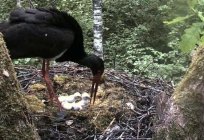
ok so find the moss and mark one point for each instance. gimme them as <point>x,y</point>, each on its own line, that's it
<point>60,80</point>
<point>102,119</point>
<point>174,132</point>
<point>37,87</point>
<point>15,121</point>
<point>194,75</point>
<point>35,105</point>
<point>188,108</point>
<point>189,96</point>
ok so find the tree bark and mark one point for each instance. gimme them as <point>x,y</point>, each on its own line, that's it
<point>98,28</point>
<point>18,3</point>
<point>15,122</point>
<point>183,116</point>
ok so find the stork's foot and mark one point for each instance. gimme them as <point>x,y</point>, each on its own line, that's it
<point>59,105</point>
<point>52,96</point>
<point>54,101</point>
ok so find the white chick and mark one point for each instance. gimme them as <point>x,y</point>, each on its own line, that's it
<point>84,103</point>
<point>70,98</point>
<point>85,96</point>
<point>62,98</point>
<point>77,96</point>
<point>85,99</point>
<point>77,106</point>
<point>67,105</point>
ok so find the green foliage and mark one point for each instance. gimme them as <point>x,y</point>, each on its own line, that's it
<point>6,6</point>
<point>136,40</point>
<point>27,61</point>
<point>191,37</point>
<point>178,19</point>
<point>193,34</point>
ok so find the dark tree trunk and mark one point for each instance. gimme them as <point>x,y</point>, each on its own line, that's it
<point>183,116</point>
<point>15,122</point>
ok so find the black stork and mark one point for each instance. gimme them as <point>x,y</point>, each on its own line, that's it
<point>49,34</point>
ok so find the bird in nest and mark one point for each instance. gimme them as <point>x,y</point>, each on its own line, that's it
<point>52,35</point>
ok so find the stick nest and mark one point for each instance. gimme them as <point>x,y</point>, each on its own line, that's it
<point>124,108</point>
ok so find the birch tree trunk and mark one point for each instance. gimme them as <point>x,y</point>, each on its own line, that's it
<point>98,28</point>
<point>15,123</point>
<point>18,3</point>
<point>183,116</point>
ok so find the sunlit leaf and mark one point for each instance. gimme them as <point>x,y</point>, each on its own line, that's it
<point>188,43</point>
<point>200,15</point>
<point>201,2</point>
<point>191,37</point>
<point>201,42</point>
<point>177,20</point>
<point>192,3</point>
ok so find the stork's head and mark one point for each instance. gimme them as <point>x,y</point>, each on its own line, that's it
<point>96,65</point>
<point>97,69</point>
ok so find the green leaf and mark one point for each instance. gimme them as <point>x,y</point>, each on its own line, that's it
<point>191,37</point>
<point>200,15</point>
<point>201,42</point>
<point>192,3</point>
<point>177,20</point>
<point>201,2</point>
<point>187,43</point>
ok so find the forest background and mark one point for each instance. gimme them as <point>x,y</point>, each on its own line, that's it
<point>135,37</point>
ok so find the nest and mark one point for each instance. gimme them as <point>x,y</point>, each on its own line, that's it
<point>124,108</point>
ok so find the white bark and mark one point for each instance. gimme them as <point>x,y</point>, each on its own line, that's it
<point>18,3</point>
<point>31,4</point>
<point>98,28</point>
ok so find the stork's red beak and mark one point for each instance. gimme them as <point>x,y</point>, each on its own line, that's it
<point>95,82</point>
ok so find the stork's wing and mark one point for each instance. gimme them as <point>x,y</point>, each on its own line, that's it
<point>51,17</point>
<point>35,16</point>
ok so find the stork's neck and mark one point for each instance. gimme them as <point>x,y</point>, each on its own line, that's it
<point>87,60</point>
<point>92,61</point>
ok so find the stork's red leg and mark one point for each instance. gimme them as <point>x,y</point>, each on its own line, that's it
<point>94,89</point>
<point>95,82</point>
<point>45,73</point>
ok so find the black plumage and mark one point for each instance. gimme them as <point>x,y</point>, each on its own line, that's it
<point>49,34</point>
